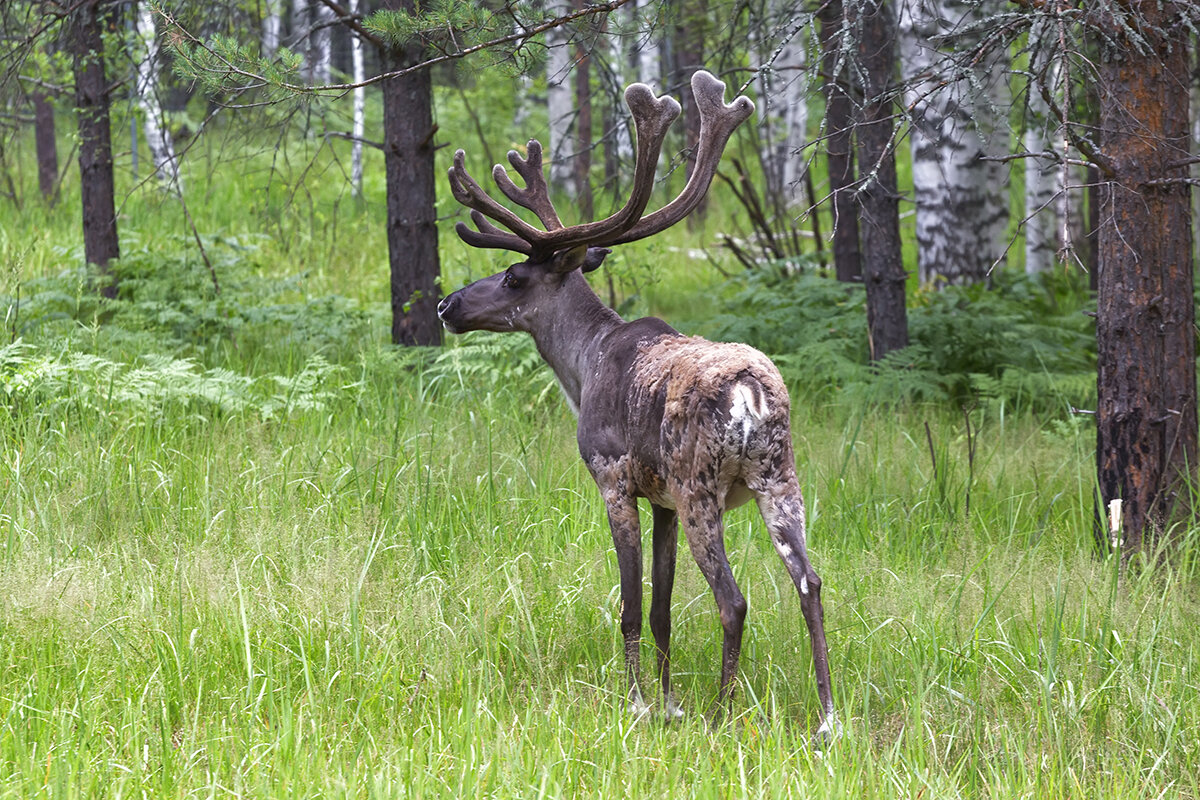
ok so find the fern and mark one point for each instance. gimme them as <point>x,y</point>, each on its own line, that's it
<point>1023,341</point>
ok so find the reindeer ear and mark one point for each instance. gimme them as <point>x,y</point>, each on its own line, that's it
<point>565,261</point>
<point>595,257</point>
<point>581,257</point>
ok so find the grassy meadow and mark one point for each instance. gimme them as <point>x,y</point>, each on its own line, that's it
<point>249,549</point>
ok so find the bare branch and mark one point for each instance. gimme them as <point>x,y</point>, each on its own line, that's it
<point>340,89</point>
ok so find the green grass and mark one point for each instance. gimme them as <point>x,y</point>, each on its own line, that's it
<point>381,573</point>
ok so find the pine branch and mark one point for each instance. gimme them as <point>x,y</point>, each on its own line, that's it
<point>218,61</point>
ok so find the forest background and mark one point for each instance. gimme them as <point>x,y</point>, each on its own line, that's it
<point>249,545</point>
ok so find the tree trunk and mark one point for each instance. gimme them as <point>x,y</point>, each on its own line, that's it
<point>1045,184</point>
<point>100,244</point>
<point>158,138</point>
<point>648,54</point>
<point>878,200</point>
<point>839,145</point>
<point>272,27</point>
<point>962,205</point>
<point>559,103</point>
<point>301,42</point>
<point>688,39</point>
<point>412,219</point>
<point>583,127</point>
<point>783,108</point>
<point>358,123</point>
<point>1146,434</point>
<point>46,145</point>
<point>617,137</point>
<point>321,43</point>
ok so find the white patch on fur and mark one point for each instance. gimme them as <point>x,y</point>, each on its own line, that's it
<point>746,407</point>
<point>804,584</point>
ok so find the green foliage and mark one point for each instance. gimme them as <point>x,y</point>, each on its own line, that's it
<point>247,547</point>
<point>50,384</point>
<point>483,361</point>
<point>167,301</point>
<point>1024,342</point>
<point>224,64</point>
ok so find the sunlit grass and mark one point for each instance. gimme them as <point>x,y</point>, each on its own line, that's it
<point>399,581</point>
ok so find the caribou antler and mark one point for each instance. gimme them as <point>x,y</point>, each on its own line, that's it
<point>652,118</point>
<point>717,123</point>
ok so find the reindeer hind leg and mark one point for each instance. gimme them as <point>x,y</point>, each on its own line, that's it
<point>782,507</point>
<point>662,578</point>
<point>701,515</point>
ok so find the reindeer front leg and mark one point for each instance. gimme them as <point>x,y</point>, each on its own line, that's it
<point>627,540</point>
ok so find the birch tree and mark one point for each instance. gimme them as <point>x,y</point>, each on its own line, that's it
<point>958,100</point>
<point>358,116</point>
<point>783,88</point>
<point>647,45</point>
<point>272,27</point>
<point>559,103</point>
<point>1045,177</point>
<point>321,43</point>
<point>158,137</point>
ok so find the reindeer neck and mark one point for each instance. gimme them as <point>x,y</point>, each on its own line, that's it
<point>568,339</point>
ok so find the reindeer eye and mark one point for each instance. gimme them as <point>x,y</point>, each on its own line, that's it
<point>510,281</point>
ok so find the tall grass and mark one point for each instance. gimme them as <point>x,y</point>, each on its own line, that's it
<point>237,560</point>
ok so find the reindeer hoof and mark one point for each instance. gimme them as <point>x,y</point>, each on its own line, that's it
<point>830,729</point>
<point>637,707</point>
<point>672,711</point>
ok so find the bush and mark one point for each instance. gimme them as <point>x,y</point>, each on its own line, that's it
<point>1022,341</point>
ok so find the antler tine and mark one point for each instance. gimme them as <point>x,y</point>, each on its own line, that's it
<point>470,194</point>
<point>652,117</point>
<point>536,194</point>
<point>490,236</point>
<point>717,123</point>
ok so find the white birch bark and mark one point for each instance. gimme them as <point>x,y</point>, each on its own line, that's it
<point>560,102</point>
<point>358,125</point>
<point>321,44</point>
<point>1045,184</point>
<point>300,38</point>
<point>783,89</point>
<point>158,138</point>
<point>624,24</point>
<point>647,52</point>
<point>962,201</point>
<point>272,27</point>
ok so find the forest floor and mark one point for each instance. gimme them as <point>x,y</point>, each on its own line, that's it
<point>247,548</point>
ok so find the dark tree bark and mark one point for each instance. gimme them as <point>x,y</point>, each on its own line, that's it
<point>100,243</point>
<point>839,145</point>
<point>878,200</point>
<point>46,146</point>
<point>1146,436</point>
<point>408,148</point>
<point>583,126</point>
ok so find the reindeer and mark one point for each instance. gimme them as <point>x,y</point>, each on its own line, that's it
<point>695,427</point>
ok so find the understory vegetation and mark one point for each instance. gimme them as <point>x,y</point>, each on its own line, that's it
<point>247,548</point>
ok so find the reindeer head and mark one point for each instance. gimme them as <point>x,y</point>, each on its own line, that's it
<point>516,298</point>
